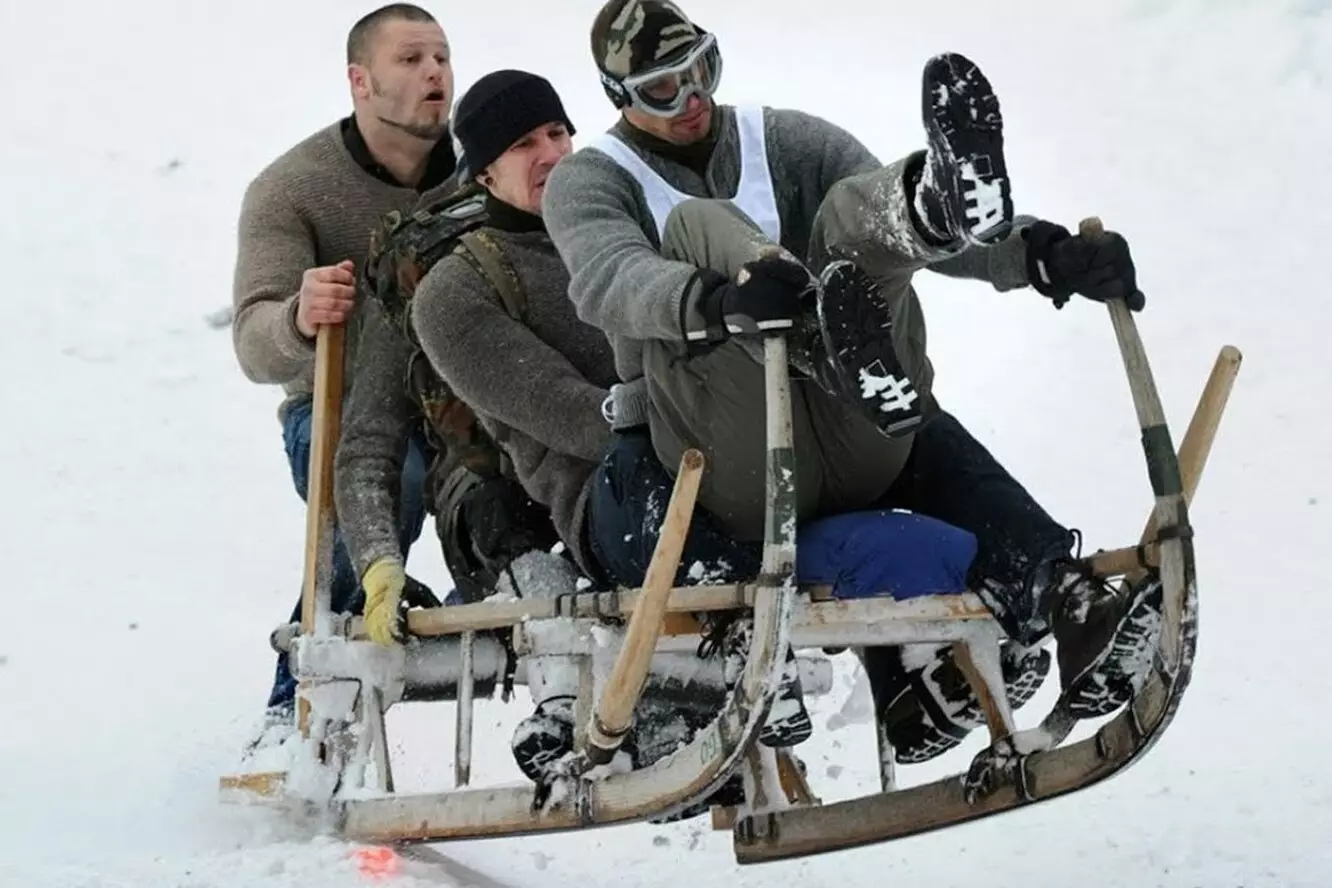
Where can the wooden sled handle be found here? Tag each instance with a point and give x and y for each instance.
(320, 513)
(1201, 432)
(613, 714)
(1170, 509)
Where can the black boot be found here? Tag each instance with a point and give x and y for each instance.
(964, 193)
(925, 703)
(788, 721)
(543, 738)
(851, 355)
(1104, 640)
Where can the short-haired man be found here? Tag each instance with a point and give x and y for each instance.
(304, 230)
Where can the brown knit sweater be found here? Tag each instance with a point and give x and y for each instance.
(313, 206)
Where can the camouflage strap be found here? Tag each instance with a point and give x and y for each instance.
(495, 267)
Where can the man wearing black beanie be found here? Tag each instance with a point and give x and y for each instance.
(668, 224)
(538, 383)
(499, 110)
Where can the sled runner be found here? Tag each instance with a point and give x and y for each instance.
(339, 768)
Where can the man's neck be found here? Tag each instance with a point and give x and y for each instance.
(403, 155)
(694, 156)
(507, 217)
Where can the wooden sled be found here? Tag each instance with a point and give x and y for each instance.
(347, 682)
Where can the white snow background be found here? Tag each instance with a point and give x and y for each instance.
(151, 537)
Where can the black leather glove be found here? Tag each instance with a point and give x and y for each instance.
(1060, 264)
(766, 296)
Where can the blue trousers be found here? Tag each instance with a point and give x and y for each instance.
(346, 594)
(625, 506)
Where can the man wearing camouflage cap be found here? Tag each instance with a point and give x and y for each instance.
(668, 224)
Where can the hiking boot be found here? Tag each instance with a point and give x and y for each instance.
(788, 721)
(964, 193)
(925, 702)
(852, 355)
(1105, 639)
(544, 739)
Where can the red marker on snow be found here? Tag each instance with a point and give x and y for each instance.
(376, 862)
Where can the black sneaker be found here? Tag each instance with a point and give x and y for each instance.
(926, 704)
(1105, 640)
(544, 738)
(854, 359)
(964, 192)
(788, 721)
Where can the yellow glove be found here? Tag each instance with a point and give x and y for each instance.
(383, 582)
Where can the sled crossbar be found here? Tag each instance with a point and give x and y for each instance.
(619, 604)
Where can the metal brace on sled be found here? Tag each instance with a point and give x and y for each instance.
(347, 682)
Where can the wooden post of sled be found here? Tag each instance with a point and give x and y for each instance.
(320, 514)
(614, 712)
(1198, 437)
(1132, 562)
(1170, 514)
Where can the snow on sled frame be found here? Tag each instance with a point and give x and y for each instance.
(340, 715)
(347, 682)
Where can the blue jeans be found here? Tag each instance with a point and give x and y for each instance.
(346, 594)
(628, 499)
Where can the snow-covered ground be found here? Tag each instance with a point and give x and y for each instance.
(151, 536)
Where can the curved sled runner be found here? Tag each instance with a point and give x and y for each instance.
(458, 652)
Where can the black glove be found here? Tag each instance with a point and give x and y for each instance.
(767, 298)
(1060, 264)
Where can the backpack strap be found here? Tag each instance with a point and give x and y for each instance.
(492, 262)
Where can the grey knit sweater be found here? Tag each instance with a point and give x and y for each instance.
(600, 222)
(537, 387)
(312, 206)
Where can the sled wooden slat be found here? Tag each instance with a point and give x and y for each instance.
(837, 826)
(257, 784)
(683, 600)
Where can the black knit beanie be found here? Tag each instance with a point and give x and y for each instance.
(500, 109)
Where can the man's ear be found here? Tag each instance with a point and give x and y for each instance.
(358, 78)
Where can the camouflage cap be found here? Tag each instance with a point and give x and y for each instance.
(630, 36)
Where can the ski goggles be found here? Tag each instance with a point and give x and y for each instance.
(663, 91)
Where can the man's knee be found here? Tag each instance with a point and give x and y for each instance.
(484, 524)
(712, 233)
(628, 478)
(625, 470)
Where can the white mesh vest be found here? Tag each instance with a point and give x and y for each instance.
(754, 195)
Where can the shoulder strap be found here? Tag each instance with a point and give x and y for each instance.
(495, 265)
